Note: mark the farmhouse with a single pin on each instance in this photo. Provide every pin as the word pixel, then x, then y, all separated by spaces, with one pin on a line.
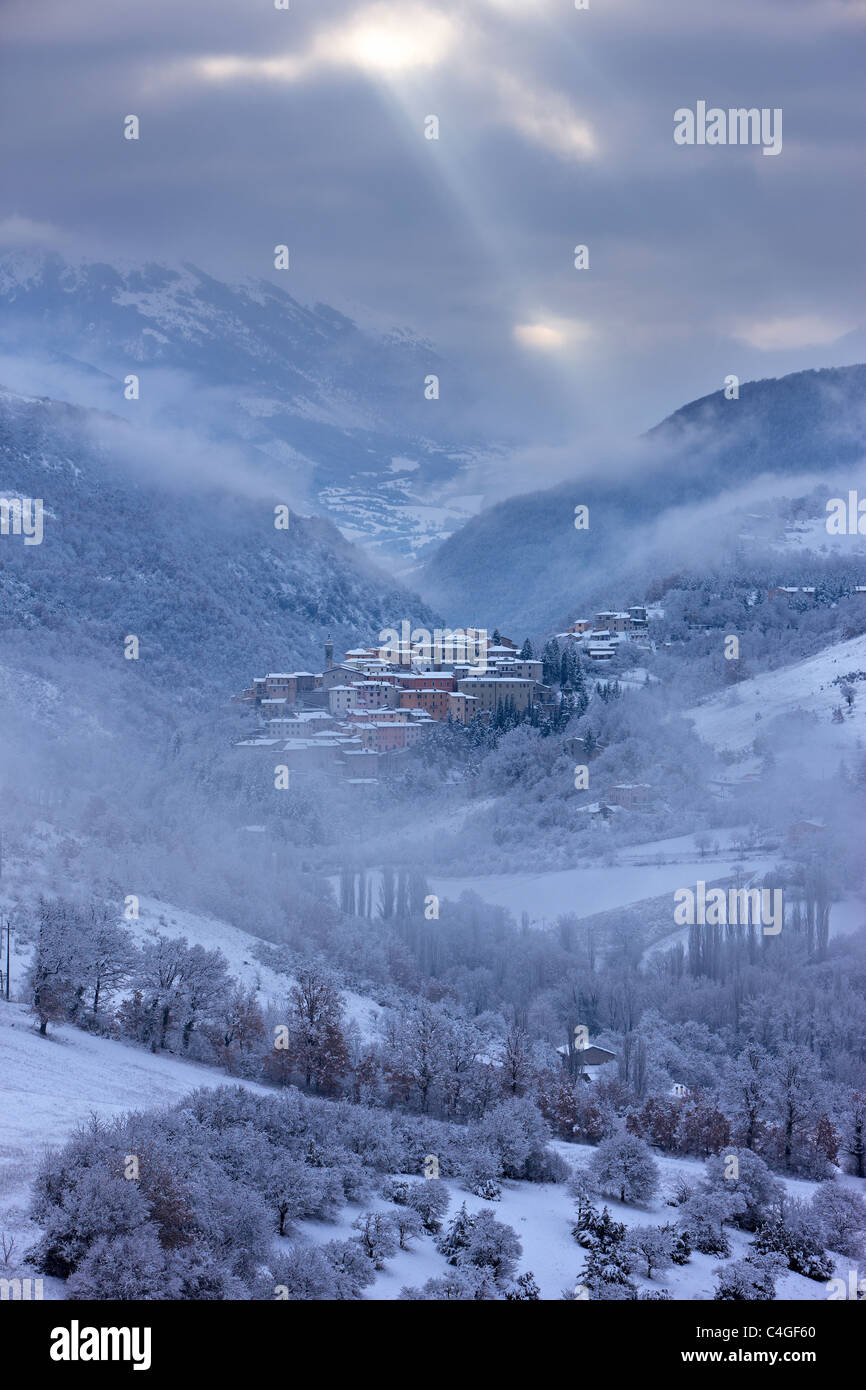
pixel 585 1062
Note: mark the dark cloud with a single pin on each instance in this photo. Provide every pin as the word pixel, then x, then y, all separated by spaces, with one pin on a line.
pixel 556 128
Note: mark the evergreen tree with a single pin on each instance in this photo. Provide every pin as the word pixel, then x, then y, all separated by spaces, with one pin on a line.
pixel 551 661
pixel 524 1289
pixel 455 1239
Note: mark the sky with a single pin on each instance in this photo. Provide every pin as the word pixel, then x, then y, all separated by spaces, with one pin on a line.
pixel 306 127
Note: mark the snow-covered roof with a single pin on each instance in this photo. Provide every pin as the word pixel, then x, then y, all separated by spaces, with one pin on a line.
pixel 591 1056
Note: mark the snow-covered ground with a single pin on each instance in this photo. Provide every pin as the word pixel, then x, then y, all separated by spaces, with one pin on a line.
pixel 641 871
pixel 542 1214
pixel 734 719
pixel 50 1085
pixel 812 534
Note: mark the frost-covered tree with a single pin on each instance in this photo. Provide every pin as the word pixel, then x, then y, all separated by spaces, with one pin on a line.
pixel 466 1284
pixel 408 1225
pixel 551 662
pixel 129 1266
pixel 396 1190
pixel 796 1235
pixel 315 1044
pixel 841 1215
pixel 78 1201
pixel 459 1047
pixel 414 1058
pixel 300 1274
pixel 853 1142
pixel 650 1247
pixel 703 1217
pixel 680 1245
pixel 513 1130
pixel 597 1232
pixel 584 1189
pixel 524 1289
pixel 606 1271
pixel 238 1030
pixel 179 985
pixel 623 1167
pixel 481 1171
pixel 296 1190
pixel 204 986
pixel 795 1089
pixel 455 1238
pixel 492 1246
pixel 745 1175
pixel 351 1269
pixel 748 1281
pixel 55 979
pixel 431 1200
pixel 516 1057
pixel 377 1236
pixel 748 1091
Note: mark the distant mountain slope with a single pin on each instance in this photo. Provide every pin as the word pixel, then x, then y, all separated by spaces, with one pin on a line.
pixel 339 412
pixel 212 590
pixel 527 565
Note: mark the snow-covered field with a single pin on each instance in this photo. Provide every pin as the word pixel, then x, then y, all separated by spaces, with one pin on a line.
pixel 542 1214
pixel 50 1085
pixel 640 872
pixel 813 535
pixel 733 719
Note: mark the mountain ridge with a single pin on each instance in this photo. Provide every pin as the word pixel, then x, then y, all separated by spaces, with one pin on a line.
pixel 528 556
pixel 332 406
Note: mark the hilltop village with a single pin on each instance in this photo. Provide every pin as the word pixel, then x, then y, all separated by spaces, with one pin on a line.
pixel 359 716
